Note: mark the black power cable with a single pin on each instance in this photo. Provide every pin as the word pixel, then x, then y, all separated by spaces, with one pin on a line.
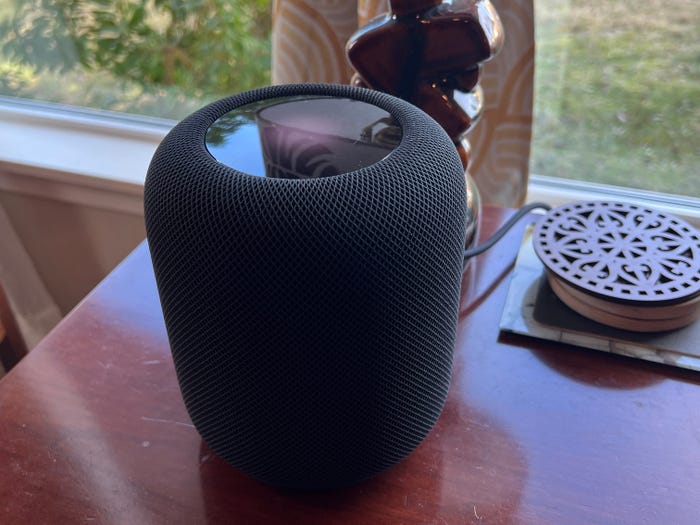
pixel 512 221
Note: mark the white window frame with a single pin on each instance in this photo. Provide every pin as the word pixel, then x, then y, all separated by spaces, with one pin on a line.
pixel 100 159
pixel 76 155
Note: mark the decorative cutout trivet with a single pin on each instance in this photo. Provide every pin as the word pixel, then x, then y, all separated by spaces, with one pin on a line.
pixel 623 265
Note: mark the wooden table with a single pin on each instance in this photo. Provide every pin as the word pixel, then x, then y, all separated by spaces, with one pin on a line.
pixel 93 430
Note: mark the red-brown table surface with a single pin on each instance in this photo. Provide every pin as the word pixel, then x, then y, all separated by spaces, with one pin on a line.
pixel 93 429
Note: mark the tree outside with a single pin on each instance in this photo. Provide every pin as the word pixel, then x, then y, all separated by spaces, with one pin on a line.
pixel 158 57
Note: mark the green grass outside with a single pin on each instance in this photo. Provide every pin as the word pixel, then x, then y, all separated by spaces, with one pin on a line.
pixel 618 93
pixel 98 90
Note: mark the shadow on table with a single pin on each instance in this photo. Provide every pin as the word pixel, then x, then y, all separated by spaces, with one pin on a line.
pixel 468 470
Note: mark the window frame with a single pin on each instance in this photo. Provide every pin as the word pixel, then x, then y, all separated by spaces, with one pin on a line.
pixel 76 155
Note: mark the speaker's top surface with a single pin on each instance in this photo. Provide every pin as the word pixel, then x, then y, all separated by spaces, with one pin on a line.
pixel 303 137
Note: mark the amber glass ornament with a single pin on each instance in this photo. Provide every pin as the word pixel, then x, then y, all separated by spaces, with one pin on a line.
pixel 430 53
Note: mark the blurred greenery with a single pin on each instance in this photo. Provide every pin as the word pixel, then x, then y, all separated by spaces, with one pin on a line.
pixel 162 57
pixel 617 93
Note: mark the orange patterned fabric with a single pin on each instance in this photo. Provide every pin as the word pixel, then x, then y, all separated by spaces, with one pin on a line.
pixel 501 139
pixel 369 9
pixel 308 40
pixel 309 46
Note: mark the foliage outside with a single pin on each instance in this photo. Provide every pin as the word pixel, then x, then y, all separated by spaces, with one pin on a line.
pixel 163 57
pixel 617 84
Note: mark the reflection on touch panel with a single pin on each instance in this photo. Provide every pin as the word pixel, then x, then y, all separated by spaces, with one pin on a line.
pixel 303 137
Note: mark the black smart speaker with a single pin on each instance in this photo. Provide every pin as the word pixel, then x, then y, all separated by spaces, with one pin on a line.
pixel 307 243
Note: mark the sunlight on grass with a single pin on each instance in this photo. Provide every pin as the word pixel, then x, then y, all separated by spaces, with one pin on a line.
pixel 618 93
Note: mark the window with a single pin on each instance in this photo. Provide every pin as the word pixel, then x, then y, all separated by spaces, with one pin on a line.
pixel 617 96
pixel 617 83
pixel 154 57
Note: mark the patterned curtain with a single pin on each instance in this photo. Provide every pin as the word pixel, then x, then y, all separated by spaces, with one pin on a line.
pixel 501 139
pixel 308 46
pixel 308 40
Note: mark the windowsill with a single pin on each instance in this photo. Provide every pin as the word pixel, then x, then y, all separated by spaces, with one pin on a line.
pixel 80 156
pixel 96 144
pixel 100 159
pixel 556 192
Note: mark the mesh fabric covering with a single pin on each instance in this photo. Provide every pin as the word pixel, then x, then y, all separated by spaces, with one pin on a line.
pixel 312 322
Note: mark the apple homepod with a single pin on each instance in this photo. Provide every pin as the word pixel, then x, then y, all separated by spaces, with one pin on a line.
pixel 307 243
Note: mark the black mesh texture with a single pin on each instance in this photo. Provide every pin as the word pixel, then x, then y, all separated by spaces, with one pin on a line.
pixel 312 322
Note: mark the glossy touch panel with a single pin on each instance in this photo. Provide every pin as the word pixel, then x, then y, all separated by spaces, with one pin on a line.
pixel 303 137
